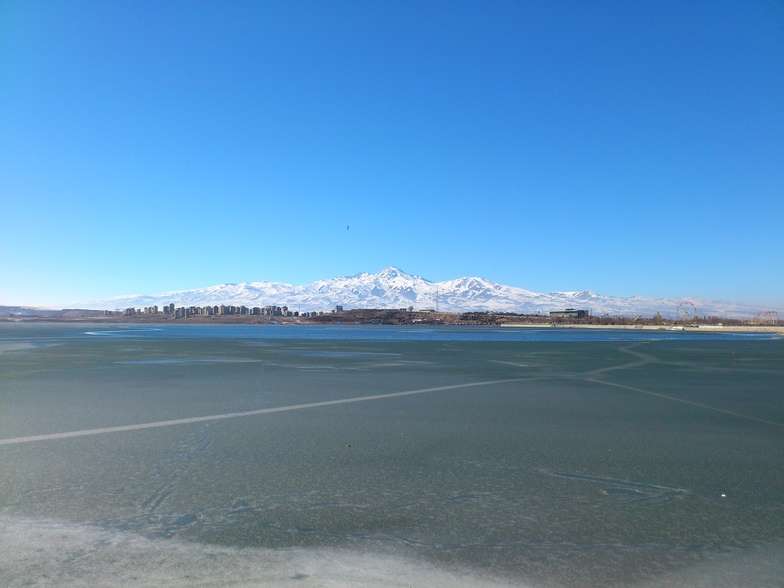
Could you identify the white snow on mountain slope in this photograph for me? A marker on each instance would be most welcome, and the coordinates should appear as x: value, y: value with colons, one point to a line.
x: 394, y: 288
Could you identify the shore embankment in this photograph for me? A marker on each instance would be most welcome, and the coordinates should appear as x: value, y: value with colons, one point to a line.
x: 692, y: 328
x: 396, y: 317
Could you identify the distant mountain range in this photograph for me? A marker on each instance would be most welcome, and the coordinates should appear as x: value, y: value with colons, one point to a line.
x: 394, y: 288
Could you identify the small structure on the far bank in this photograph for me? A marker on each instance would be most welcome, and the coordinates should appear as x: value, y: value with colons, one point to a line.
x: 570, y: 313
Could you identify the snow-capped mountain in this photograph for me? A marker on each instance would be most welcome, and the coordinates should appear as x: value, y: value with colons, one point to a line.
x: 394, y: 288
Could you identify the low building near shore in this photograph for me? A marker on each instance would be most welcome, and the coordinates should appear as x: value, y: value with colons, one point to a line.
x: 570, y: 313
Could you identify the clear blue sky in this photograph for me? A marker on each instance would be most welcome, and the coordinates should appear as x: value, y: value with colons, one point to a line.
x: 630, y: 148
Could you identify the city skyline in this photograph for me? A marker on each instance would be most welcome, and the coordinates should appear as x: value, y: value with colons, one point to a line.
x: 625, y: 148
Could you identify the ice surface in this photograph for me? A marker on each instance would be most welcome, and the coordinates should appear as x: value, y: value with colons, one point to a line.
x: 224, y: 455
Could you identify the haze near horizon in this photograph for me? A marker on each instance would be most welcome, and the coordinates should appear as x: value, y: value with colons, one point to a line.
x: 623, y: 148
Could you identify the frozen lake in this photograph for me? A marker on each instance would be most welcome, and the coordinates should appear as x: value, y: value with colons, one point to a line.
x: 319, y: 456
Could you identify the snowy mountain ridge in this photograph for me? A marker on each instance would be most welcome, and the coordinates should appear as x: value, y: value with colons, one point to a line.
x: 394, y: 288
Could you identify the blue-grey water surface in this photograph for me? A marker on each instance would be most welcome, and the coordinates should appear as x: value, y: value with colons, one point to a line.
x: 317, y: 456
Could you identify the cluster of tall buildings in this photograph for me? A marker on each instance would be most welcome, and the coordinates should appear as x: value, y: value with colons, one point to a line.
x: 222, y: 310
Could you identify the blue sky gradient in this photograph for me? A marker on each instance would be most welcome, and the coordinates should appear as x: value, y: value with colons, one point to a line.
x: 630, y: 148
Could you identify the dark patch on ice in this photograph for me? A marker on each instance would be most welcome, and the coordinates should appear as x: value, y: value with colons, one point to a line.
x: 151, y: 498
x: 185, y: 520
x: 203, y: 443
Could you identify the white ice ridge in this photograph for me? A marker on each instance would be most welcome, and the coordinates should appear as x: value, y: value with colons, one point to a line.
x: 234, y: 415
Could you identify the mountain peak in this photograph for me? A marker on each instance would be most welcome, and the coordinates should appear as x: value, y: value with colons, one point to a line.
x: 392, y: 272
